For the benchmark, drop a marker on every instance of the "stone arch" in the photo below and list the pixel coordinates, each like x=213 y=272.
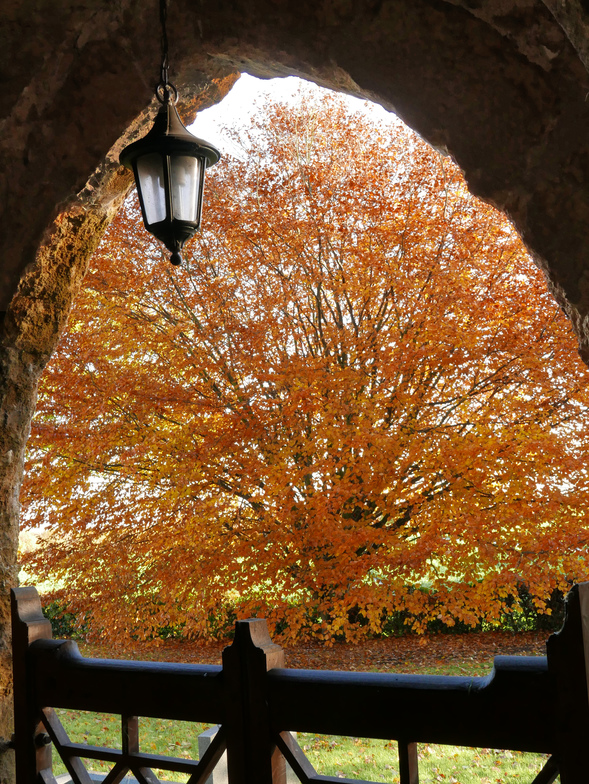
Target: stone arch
x=500 y=84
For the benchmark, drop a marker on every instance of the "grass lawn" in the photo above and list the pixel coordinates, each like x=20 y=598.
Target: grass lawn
x=373 y=760
x=376 y=760
x=361 y=758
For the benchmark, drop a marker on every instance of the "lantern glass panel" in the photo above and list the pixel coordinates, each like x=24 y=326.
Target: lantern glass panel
x=185 y=172
x=150 y=171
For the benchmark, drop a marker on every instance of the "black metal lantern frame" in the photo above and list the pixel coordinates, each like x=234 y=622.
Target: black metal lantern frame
x=169 y=165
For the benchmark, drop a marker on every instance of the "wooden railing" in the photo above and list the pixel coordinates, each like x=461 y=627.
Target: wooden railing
x=537 y=704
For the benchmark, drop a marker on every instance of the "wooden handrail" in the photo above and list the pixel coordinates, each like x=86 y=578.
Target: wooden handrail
x=527 y=703
x=513 y=708
x=63 y=678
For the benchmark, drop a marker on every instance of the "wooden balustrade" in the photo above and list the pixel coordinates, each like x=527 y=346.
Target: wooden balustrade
x=535 y=704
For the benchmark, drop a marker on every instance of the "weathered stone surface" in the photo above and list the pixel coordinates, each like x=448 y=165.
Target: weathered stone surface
x=500 y=84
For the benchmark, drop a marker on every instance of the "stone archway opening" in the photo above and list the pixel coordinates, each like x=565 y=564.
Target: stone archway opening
x=144 y=287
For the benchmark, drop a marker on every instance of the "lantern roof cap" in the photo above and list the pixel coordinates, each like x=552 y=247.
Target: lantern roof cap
x=169 y=135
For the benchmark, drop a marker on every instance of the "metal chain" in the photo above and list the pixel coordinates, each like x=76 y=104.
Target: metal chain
x=165 y=91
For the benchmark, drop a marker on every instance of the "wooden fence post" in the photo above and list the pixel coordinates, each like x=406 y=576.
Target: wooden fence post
x=31 y=742
x=568 y=664
x=252 y=756
x=408 y=762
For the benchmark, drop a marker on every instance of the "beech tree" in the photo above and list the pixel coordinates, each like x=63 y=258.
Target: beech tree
x=357 y=397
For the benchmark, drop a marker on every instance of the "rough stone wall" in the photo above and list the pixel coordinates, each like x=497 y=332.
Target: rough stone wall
x=501 y=84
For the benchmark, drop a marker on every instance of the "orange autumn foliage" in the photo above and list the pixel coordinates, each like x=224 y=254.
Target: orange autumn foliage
x=356 y=398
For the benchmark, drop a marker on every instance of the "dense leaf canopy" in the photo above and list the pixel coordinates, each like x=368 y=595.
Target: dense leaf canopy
x=356 y=398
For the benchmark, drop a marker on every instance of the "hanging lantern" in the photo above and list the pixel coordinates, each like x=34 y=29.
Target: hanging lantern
x=169 y=165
